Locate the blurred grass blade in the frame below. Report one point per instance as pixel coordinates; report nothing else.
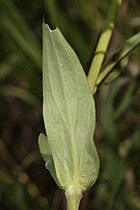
(128, 97)
(21, 94)
(15, 25)
(111, 144)
(118, 61)
(8, 65)
(12, 191)
(107, 115)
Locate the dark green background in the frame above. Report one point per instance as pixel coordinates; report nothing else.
(25, 184)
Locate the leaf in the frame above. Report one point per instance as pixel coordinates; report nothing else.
(119, 60)
(69, 114)
(44, 147)
(46, 155)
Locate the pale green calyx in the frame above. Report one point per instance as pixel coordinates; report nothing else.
(69, 117)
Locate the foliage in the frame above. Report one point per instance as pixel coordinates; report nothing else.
(69, 118)
(117, 133)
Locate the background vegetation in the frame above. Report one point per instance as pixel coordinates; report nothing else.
(25, 184)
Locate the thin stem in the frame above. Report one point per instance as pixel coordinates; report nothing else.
(103, 44)
(73, 199)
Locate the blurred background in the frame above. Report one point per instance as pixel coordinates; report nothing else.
(25, 184)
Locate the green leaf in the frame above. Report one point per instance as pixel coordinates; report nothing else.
(46, 155)
(44, 147)
(119, 60)
(69, 115)
(114, 73)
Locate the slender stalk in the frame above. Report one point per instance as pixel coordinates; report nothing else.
(103, 44)
(73, 199)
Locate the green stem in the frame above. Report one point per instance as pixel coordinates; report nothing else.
(103, 44)
(73, 199)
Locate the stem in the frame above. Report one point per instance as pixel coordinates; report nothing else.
(73, 199)
(103, 44)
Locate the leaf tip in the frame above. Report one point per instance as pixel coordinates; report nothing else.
(46, 26)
